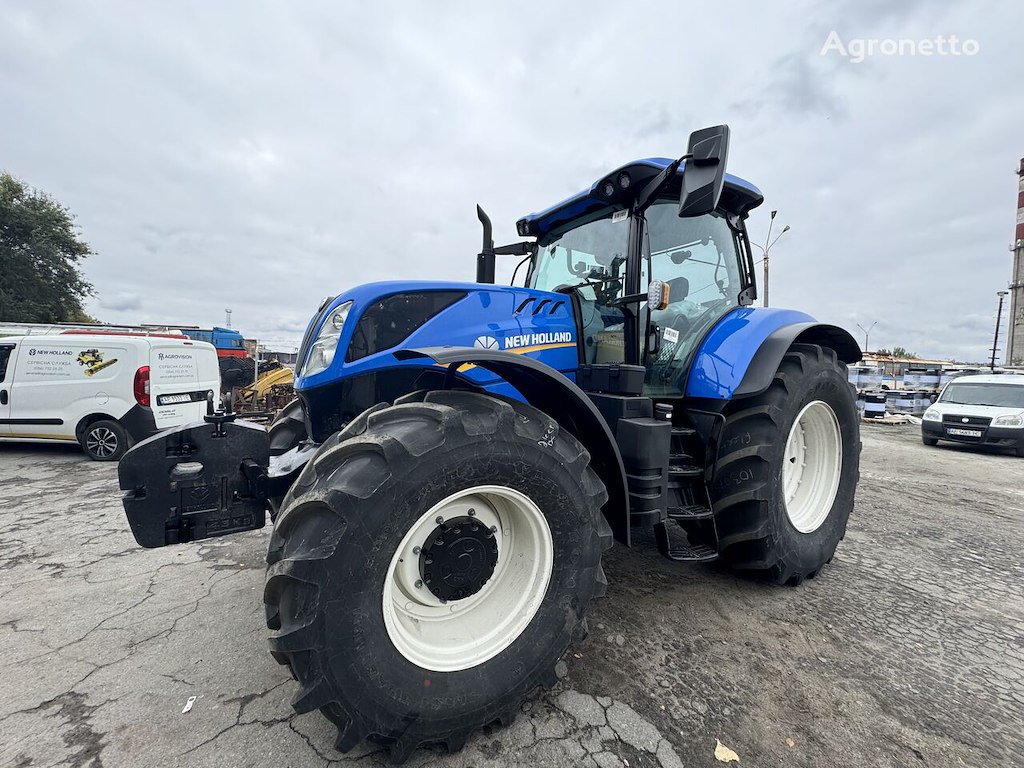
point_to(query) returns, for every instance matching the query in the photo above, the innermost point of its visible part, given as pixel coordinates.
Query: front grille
(952, 420)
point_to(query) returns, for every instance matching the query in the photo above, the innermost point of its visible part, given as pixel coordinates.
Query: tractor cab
(639, 229)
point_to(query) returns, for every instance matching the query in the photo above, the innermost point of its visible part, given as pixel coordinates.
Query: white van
(103, 390)
(978, 410)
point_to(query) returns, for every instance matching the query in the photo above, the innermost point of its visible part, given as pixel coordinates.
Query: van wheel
(104, 441)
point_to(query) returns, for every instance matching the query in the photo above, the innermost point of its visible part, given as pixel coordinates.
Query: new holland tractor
(460, 455)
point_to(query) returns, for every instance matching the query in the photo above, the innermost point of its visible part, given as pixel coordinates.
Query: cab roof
(738, 197)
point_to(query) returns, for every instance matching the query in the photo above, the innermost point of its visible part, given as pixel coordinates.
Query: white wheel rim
(812, 466)
(447, 637)
(101, 442)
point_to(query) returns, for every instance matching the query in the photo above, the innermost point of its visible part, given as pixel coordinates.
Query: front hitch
(197, 481)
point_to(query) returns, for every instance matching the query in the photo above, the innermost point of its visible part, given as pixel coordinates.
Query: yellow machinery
(268, 394)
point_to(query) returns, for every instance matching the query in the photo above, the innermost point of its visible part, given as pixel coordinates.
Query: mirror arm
(658, 183)
(633, 298)
(525, 248)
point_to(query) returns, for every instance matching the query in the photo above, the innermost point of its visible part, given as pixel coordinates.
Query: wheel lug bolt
(439, 520)
(415, 550)
(418, 584)
(472, 512)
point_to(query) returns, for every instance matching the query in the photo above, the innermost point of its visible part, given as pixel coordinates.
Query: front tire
(929, 441)
(788, 466)
(286, 431)
(431, 565)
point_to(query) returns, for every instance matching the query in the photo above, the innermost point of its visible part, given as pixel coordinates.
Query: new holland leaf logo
(486, 342)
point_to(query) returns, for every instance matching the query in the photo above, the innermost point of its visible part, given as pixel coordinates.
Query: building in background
(1015, 341)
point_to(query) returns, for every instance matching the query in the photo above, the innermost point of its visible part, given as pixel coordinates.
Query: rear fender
(740, 355)
(550, 391)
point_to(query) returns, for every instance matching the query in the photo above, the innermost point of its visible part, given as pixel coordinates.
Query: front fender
(550, 391)
(740, 356)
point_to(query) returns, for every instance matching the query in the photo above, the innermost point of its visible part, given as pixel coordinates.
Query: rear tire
(343, 560)
(787, 470)
(104, 441)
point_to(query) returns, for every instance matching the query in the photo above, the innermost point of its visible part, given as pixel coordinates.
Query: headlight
(325, 345)
(932, 414)
(1008, 421)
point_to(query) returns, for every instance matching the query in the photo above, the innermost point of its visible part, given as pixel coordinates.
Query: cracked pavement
(908, 650)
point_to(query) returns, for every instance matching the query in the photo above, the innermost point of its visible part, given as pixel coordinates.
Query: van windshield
(1001, 395)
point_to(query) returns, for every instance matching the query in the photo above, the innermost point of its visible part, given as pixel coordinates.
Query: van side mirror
(704, 173)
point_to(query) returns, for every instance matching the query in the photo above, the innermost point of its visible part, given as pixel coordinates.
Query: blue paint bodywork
(726, 352)
(488, 312)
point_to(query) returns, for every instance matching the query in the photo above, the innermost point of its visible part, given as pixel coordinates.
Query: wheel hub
(102, 442)
(458, 558)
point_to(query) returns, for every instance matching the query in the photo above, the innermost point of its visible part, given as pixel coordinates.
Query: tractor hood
(371, 322)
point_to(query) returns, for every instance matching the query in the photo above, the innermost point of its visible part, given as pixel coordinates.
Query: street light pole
(867, 331)
(995, 339)
(768, 243)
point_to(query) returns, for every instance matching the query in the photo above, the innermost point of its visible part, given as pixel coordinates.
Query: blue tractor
(460, 455)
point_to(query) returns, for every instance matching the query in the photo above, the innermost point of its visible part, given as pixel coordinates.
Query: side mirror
(704, 174)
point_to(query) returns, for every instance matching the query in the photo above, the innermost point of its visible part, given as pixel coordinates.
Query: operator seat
(678, 289)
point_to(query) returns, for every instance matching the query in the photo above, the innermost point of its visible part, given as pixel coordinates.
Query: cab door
(8, 352)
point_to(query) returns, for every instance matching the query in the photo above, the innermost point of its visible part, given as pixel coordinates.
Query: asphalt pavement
(908, 650)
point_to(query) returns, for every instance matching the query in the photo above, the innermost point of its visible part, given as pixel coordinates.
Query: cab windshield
(590, 259)
(698, 257)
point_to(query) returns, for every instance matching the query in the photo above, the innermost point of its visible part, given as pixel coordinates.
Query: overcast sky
(260, 156)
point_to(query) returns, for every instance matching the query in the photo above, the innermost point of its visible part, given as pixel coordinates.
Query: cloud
(120, 302)
(259, 157)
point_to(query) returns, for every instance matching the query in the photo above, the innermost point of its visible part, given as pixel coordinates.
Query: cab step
(690, 512)
(677, 471)
(681, 552)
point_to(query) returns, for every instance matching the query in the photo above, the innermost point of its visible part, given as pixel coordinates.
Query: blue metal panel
(485, 317)
(727, 350)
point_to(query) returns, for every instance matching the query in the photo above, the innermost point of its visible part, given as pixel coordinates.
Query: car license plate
(963, 432)
(175, 399)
